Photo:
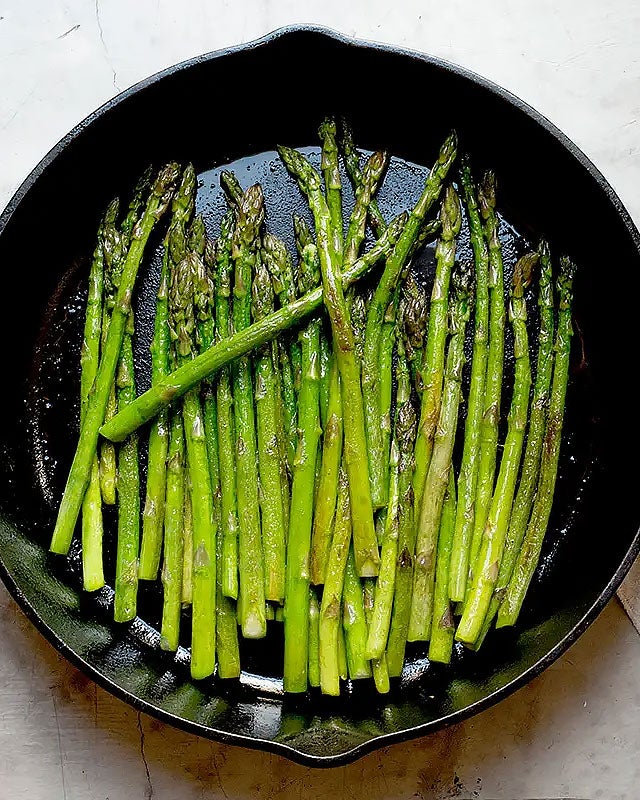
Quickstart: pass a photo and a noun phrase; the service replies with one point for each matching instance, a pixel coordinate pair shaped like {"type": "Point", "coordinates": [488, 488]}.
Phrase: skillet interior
{"type": "Point", "coordinates": [545, 185]}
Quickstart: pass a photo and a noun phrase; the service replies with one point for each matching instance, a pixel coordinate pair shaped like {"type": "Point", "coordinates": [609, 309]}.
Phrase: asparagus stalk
{"type": "Point", "coordinates": [415, 316]}
{"type": "Point", "coordinates": [440, 465]}
{"type": "Point", "coordinates": [328, 486]}
{"type": "Point", "coordinates": [172, 564]}
{"type": "Point", "coordinates": [379, 304]}
{"type": "Point", "coordinates": [495, 364]}
{"type": "Point", "coordinates": [467, 479]}
{"type": "Point", "coordinates": [379, 666]}
{"type": "Point", "coordinates": [314, 639]}
{"type": "Point", "coordinates": [271, 499]}
{"type": "Point", "coordinates": [187, 540]}
{"type": "Point", "coordinates": [352, 163]}
{"type": "Point", "coordinates": [331, 171]}
{"type": "Point", "coordinates": [219, 259]}
{"type": "Point", "coordinates": [385, 366]}
{"type": "Point", "coordinates": [153, 514]}
{"type": "Point", "coordinates": [92, 528]}
{"type": "Point", "coordinates": [442, 624]}
{"type": "Point", "coordinates": [80, 471]}
{"type": "Point", "coordinates": [400, 463]}
{"type": "Point", "coordinates": [365, 190]}
{"type": "Point", "coordinates": [326, 360]}
{"type": "Point", "coordinates": [148, 404]}
{"type": "Point", "coordinates": [296, 622]}
{"type": "Point", "coordinates": [232, 189]}
{"type": "Point", "coordinates": [251, 563]}
{"type": "Point", "coordinates": [278, 262]}
{"type": "Point", "coordinates": [406, 545]}
{"type": "Point", "coordinates": [531, 461]}
{"type": "Point", "coordinates": [530, 552]}
{"type": "Point", "coordinates": [434, 355]}
{"type": "Point", "coordinates": [354, 622]}
{"type": "Point", "coordinates": [366, 548]}
{"type": "Point", "coordinates": [128, 539]}
{"type": "Point", "coordinates": [330, 611]}
{"type": "Point", "coordinates": [489, 558]}
{"type": "Point", "coordinates": [182, 308]}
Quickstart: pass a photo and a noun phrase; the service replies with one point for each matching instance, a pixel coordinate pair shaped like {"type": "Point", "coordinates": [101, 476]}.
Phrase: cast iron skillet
{"type": "Point", "coordinates": [193, 112]}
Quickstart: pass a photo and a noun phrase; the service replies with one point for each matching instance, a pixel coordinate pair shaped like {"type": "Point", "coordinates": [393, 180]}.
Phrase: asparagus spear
{"type": "Point", "coordinates": [380, 302]}
{"type": "Point", "coordinates": [406, 544]}
{"type": "Point", "coordinates": [440, 465]}
{"type": "Point", "coordinates": [442, 624]}
{"type": "Point", "coordinates": [278, 262]}
{"type": "Point", "coordinates": [187, 540]}
{"type": "Point", "coordinates": [330, 611]}
{"type": "Point", "coordinates": [354, 622]}
{"type": "Point", "coordinates": [172, 564]}
{"type": "Point", "coordinates": [434, 355]}
{"type": "Point", "coordinates": [147, 405]}
{"type": "Point", "coordinates": [366, 549]}
{"type": "Point", "coordinates": [232, 189]}
{"type": "Point", "coordinates": [365, 190]}
{"type": "Point", "coordinates": [153, 514]}
{"type": "Point", "coordinates": [489, 557]}
{"type": "Point", "coordinates": [326, 360]}
{"type": "Point", "coordinates": [271, 499]}
{"type": "Point", "coordinates": [495, 363]}
{"type": "Point", "coordinates": [296, 622]}
{"type": "Point", "coordinates": [531, 460]}
{"type": "Point", "coordinates": [219, 259]}
{"type": "Point", "coordinates": [182, 303]}
{"type": "Point", "coordinates": [80, 471]}
{"type": "Point", "coordinates": [467, 479]}
{"type": "Point", "coordinates": [352, 163]}
{"type": "Point", "coordinates": [530, 552]}
{"type": "Point", "coordinates": [128, 539]}
{"type": "Point", "coordinates": [415, 316]}
{"type": "Point", "coordinates": [379, 666]}
{"type": "Point", "coordinates": [314, 639]}
{"type": "Point", "coordinates": [331, 171]}
{"type": "Point", "coordinates": [400, 463]}
{"type": "Point", "coordinates": [251, 564]}
{"type": "Point", "coordinates": [92, 528]}
{"type": "Point", "coordinates": [385, 366]}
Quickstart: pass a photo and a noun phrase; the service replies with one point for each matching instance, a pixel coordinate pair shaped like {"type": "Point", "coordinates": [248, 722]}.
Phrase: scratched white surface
{"type": "Point", "coordinates": [573, 732]}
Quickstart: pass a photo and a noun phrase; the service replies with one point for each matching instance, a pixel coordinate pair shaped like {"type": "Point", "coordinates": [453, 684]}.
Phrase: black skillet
{"type": "Point", "coordinates": [237, 104]}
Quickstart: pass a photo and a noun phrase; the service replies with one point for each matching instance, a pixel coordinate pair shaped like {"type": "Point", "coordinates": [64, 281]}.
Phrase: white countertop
{"type": "Point", "coordinates": [573, 732]}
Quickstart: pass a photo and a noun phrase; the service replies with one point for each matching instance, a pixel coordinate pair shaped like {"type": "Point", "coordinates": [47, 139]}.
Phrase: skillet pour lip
{"type": "Point", "coordinates": [332, 758]}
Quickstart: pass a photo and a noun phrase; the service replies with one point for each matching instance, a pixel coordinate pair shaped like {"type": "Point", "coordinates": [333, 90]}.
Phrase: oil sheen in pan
{"type": "Point", "coordinates": [53, 409]}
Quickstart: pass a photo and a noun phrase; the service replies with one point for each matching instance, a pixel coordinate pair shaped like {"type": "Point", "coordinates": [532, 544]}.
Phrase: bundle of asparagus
{"type": "Point", "coordinates": [301, 461]}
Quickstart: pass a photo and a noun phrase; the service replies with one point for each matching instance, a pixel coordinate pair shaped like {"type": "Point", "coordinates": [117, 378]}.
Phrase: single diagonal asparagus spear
{"type": "Point", "coordinates": [182, 309]}
{"type": "Point", "coordinates": [352, 163]}
{"type": "Point", "coordinates": [440, 465]}
{"type": "Point", "coordinates": [489, 557]}
{"type": "Point", "coordinates": [116, 243]}
{"type": "Point", "coordinates": [401, 461]}
{"type": "Point", "coordinates": [128, 540]}
{"type": "Point", "coordinates": [251, 563]}
{"type": "Point", "coordinates": [331, 171]}
{"type": "Point", "coordinates": [415, 317]}
{"type": "Point", "coordinates": [467, 479]}
{"type": "Point", "coordinates": [296, 622]}
{"type": "Point", "coordinates": [271, 499]}
{"type": "Point", "coordinates": [153, 514]}
{"type": "Point", "coordinates": [365, 546]}
{"type": "Point", "coordinates": [530, 552]}
{"type": "Point", "coordinates": [531, 461]}
{"type": "Point", "coordinates": [331, 608]}
{"type": "Point", "coordinates": [92, 527]}
{"type": "Point", "coordinates": [495, 367]}
{"type": "Point", "coordinates": [219, 259]}
{"type": "Point", "coordinates": [442, 624]}
{"type": "Point", "coordinates": [380, 302]}
{"type": "Point", "coordinates": [354, 622]}
{"type": "Point", "coordinates": [278, 262]}
{"type": "Point", "coordinates": [365, 190]}
{"type": "Point", "coordinates": [80, 471]}
{"type": "Point", "coordinates": [184, 378]}
{"type": "Point", "coordinates": [173, 537]}
{"type": "Point", "coordinates": [434, 354]}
